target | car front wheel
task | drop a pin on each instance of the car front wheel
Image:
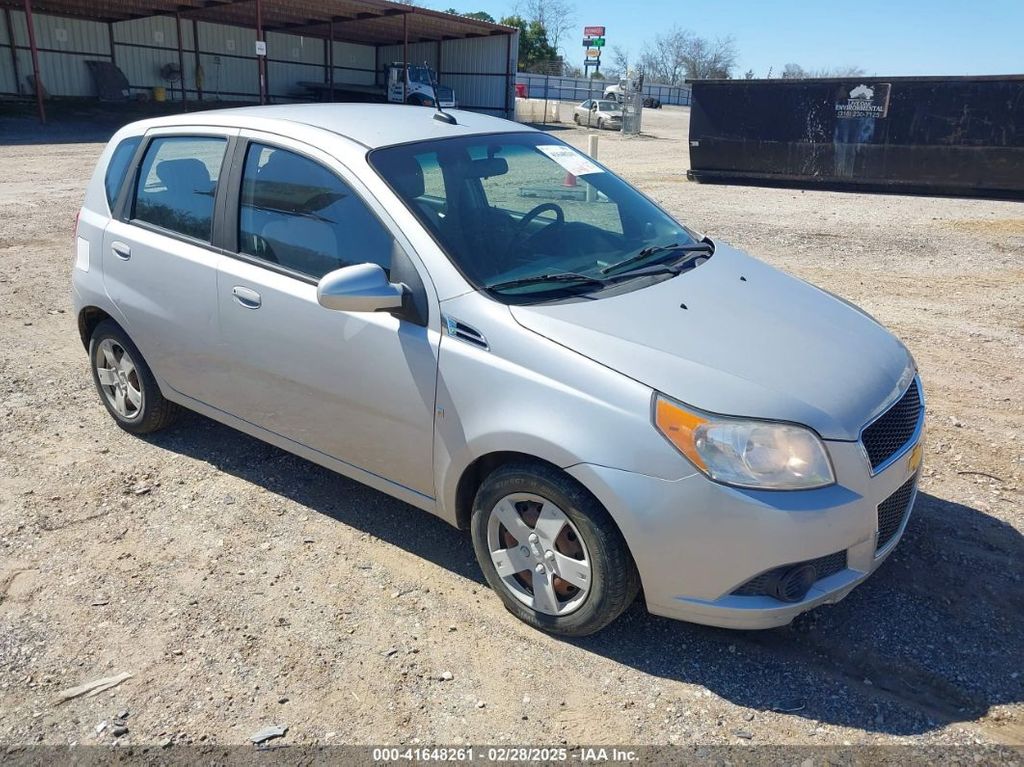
(551, 551)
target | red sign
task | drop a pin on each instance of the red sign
(593, 31)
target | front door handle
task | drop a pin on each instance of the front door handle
(246, 297)
(121, 250)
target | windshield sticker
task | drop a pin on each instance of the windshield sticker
(574, 162)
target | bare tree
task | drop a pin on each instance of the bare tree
(797, 72)
(793, 72)
(679, 54)
(618, 64)
(557, 17)
(663, 59)
(710, 60)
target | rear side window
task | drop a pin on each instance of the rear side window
(118, 167)
(177, 184)
(296, 213)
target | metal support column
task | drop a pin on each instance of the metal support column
(181, 60)
(261, 60)
(405, 57)
(30, 24)
(510, 101)
(110, 42)
(199, 65)
(14, 51)
(330, 61)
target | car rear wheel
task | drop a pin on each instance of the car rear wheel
(576, 119)
(125, 382)
(550, 551)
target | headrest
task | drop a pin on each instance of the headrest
(407, 176)
(186, 173)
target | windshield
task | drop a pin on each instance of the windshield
(609, 106)
(420, 75)
(529, 218)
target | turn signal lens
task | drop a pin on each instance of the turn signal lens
(755, 454)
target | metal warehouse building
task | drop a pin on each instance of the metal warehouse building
(45, 46)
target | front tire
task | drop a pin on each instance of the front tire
(600, 123)
(551, 551)
(125, 383)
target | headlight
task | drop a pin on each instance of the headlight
(736, 451)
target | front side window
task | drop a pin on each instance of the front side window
(117, 168)
(296, 213)
(528, 218)
(178, 183)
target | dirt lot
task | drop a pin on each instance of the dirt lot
(243, 587)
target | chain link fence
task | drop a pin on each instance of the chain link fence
(577, 89)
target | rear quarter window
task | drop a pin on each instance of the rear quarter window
(117, 168)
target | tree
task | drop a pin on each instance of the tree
(748, 75)
(534, 48)
(618, 64)
(710, 60)
(679, 54)
(479, 15)
(557, 17)
(796, 72)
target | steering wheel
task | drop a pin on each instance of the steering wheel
(517, 234)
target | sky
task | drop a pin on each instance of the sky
(894, 37)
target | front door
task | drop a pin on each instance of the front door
(358, 387)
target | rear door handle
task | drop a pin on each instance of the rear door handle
(121, 250)
(246, 297)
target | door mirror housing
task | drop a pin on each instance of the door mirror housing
(360, 288)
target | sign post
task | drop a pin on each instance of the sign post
(593, 41)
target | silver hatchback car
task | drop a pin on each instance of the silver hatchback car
(476, 318)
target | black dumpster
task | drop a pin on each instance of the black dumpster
(931, 135)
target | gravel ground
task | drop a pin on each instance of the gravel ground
(243, 587)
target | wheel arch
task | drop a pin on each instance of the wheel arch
(88, 318)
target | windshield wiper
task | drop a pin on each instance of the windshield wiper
(538, 279)
(673, 247)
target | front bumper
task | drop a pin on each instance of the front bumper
(695, 541)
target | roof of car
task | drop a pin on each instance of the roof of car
(372, 125)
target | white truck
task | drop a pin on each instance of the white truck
(404, 84)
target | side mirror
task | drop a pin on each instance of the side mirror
(593, 107)
(359, 288)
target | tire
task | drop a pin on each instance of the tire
(576, 119)
(590, 550)
(600, 123)
(140, 408)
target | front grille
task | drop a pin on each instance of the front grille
(894, 428)
(764, 584)
(892, 511)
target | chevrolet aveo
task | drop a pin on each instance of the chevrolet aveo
(472, 316)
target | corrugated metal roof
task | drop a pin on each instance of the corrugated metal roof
(374, 22)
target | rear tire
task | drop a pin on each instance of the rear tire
(538, 524)
(125, 383)
(576, 119)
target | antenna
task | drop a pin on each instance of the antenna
(440, 115)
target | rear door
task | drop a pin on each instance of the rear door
(159, 267)
(358, 387)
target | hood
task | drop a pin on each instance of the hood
(752, 341)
